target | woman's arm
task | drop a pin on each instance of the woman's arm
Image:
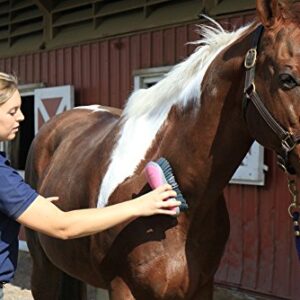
(43, 216)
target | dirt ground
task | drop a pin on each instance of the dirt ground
(19, 289)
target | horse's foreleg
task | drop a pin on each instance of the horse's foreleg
(72, 288)
(45, 277)
(47, 281)
(119, 290)
(204, 292)
(44, 282)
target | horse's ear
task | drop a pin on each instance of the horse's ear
(270, 11)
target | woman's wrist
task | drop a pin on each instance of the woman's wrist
(135, 208)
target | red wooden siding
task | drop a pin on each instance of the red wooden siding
(260, 254)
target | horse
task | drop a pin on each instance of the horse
(203, 117)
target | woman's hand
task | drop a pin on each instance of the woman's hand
(159, 201)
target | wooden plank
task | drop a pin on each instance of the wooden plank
(95, 92)
(221, 275)
(29, 68)
(181, 40)
(146, 50)
(135, 55)
(86, 73)
(22, 70)
(68, 67)
(193, 36)
(104, 73)
(266, 230)
(157, 49)
(126, 82)
(77, 75)
(52, 68)
(235, 245)
(37, 67)
(2, 64)
(114, 73)
(282, 227)
(15, 65)
(8, 66)
(250, 232)
(44, 67)
(60, 65)
(295, 274)
(169, 48)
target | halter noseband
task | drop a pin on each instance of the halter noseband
(288, 140)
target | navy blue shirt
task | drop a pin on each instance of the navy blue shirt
(15, 197)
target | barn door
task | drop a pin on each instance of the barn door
(51, 101)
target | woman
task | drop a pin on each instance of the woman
(20, 204)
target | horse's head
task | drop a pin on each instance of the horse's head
(273, 83)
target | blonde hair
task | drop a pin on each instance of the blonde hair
(8, 85)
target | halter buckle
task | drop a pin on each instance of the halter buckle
(250, 58)
(288, 143)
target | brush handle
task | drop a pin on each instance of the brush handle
(156, 177)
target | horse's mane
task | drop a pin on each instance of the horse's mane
(147, 109)
(176, 88)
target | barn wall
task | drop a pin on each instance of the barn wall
(260, 255)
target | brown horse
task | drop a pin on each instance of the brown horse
(195, 118)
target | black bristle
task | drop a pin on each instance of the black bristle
(169, 175)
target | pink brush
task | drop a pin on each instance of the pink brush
(155, 177)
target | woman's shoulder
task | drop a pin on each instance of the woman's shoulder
(3, 159)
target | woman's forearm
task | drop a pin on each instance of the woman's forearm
(43, 216)
(83, 222)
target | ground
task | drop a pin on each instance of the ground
(19, 289)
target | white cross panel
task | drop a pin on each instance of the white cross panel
(42, 100)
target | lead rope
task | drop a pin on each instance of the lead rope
(294, 212)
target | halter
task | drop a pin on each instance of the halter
(287, 139)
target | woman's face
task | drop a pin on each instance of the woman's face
(10, 117)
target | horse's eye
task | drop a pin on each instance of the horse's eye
(287, 81)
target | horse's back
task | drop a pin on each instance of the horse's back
(64, 129)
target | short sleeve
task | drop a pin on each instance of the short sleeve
(15, 194)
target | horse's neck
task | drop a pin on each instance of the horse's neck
(196, 140)
(213, 142)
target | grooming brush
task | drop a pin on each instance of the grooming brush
(159, 173)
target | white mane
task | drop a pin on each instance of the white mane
(147, 109)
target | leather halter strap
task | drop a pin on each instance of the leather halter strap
(288, 140)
